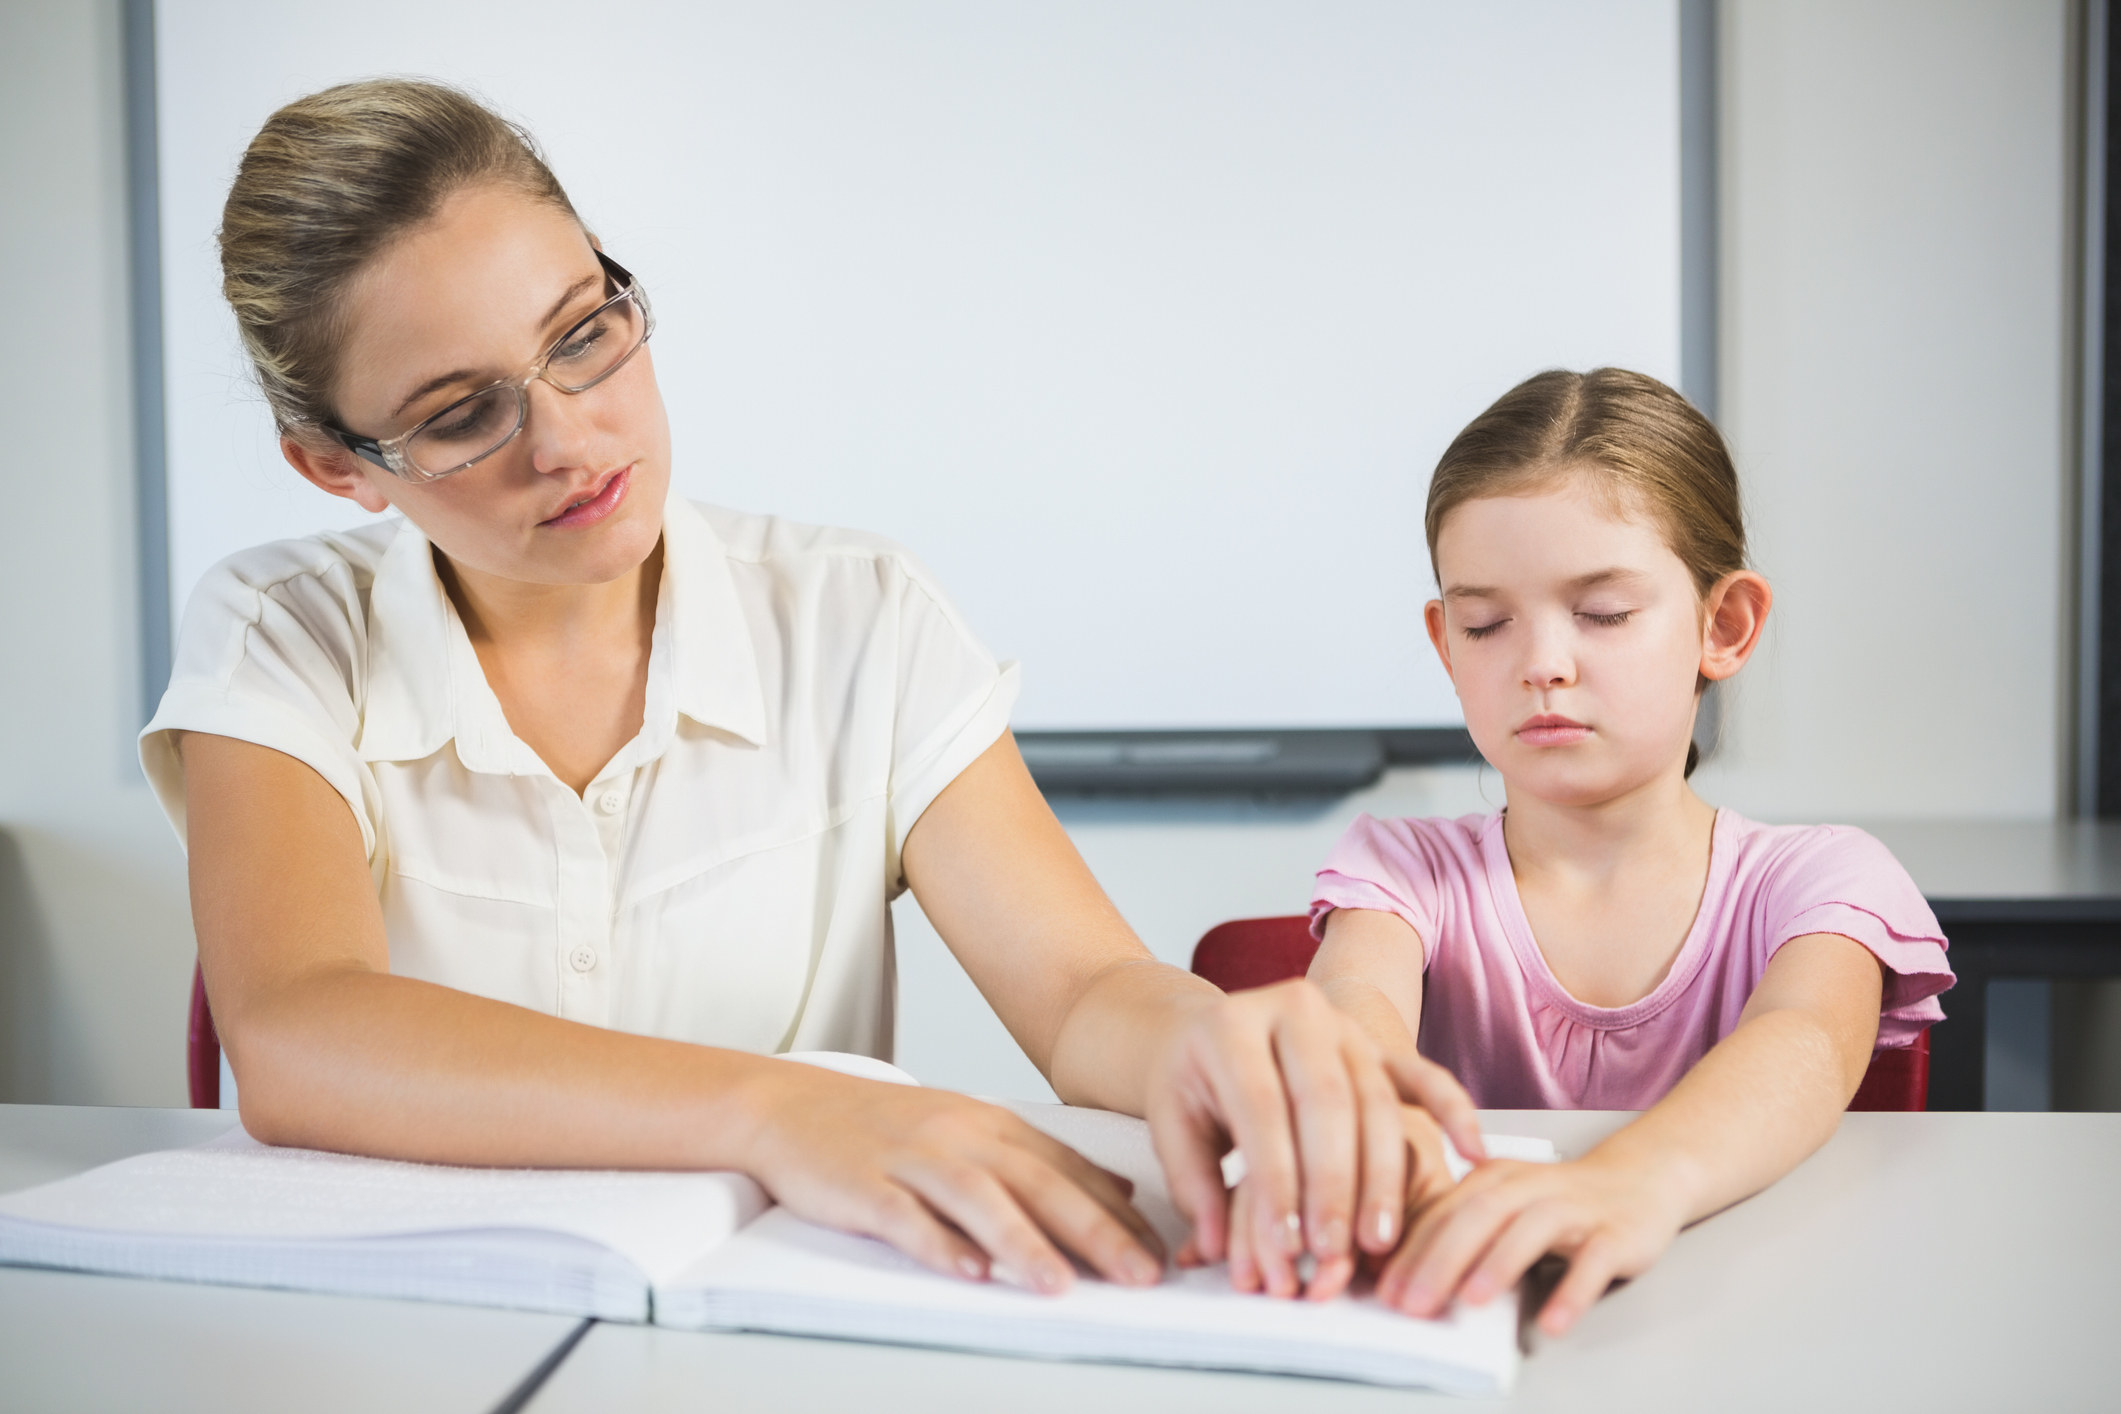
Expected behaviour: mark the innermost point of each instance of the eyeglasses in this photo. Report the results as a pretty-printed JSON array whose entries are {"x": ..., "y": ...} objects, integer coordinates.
[{"x": 473, "y": 428}]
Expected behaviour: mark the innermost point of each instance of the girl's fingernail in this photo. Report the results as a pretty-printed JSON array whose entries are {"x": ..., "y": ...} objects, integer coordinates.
[
  {"x": 1332, "y": 1238},
  {"x": 1142, "y": 1271}
]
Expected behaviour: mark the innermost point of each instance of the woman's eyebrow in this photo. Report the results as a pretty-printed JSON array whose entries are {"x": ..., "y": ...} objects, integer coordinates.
[
  {"x": 567, "y": 297},
  {"x": 459, "y": 375}
]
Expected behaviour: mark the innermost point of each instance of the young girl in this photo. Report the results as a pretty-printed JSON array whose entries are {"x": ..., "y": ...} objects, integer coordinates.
[
  {"x": 527, "y": 825},
  {"x": 1609, "y": 940}
]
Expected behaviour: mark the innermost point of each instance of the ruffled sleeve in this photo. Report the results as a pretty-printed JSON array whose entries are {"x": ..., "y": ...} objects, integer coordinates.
[{"x": 1841, "y": 880}]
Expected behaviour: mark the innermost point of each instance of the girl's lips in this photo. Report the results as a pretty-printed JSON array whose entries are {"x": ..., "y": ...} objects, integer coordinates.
[
  {"x": 596, "y": 507},
  {"x": 1547, "y": 730}
]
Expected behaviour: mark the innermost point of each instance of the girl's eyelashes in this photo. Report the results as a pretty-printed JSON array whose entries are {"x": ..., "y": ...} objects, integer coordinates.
[
  {"x": 1483, "y": 630},
  {"x": 1612, "y": 620}
]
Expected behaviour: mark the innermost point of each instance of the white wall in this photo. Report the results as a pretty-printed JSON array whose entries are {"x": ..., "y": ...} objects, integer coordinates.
[
  {"x": 1894, "y": 354},
  {"x": 95, "y": 936}
]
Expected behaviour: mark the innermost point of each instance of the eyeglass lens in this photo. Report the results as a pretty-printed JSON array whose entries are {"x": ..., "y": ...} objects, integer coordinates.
[{"x": 479, "y": 425}]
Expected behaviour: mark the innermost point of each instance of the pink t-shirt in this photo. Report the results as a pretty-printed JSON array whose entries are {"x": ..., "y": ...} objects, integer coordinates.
[{"x": 1494, "y": 1015}]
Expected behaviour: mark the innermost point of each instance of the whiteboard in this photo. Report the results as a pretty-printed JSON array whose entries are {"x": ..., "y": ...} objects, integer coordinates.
[{"x": 1141, "y": 321}]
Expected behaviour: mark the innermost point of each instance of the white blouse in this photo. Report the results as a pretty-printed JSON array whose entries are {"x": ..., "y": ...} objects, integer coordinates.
[{"x": 726, "y": 879}]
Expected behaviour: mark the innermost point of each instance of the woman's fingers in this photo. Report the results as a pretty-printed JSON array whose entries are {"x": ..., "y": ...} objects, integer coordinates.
[
  {"x": 898, "y": 1217},
  {"x": 1423, "y": 1082},
  {"x": 1322, "y": 1095},
  {"x": 1244, "y": 1269},
  {"x": 1385, "y": 1167},
  {"x": 1109, "y": 1189},
  {"x": 1117, "y": 1249}
]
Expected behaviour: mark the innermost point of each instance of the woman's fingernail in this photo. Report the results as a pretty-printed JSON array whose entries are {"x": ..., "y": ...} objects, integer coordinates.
[
  {"x": 972, "y": 1267},
  {"x": 1384, "y": 1226},
  {"x": 1292, "y": 1233},
  {"x": 1143, "y": 1271},
  {"x": 1050, "y": 1278}
]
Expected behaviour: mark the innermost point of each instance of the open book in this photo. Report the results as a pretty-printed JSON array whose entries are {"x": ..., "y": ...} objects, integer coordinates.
[{"x": 704, "y": 1251}]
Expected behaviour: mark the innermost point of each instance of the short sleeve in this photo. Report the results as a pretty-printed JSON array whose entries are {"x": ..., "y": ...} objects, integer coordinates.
[
  {"x": 270, "y": 651},
  {"x": 1383, "y": 865},
  {"x": 954, "y": 700},
  {"x": 1843, "y": 881}
]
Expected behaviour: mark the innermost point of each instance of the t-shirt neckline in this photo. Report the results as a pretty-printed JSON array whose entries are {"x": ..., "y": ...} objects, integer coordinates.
[{"x": 1517, "y": 927}]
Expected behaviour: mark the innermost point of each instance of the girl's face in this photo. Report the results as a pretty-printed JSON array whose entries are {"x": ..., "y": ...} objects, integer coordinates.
[
  {"x": 476, "y": 295},
  {"x": 1575, "y": 637}
]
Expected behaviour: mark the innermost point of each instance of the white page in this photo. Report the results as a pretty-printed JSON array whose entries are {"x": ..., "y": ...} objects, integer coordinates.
[
  {"x": 787, "y": 1275},
  {"x": 238, "y": 1211}
]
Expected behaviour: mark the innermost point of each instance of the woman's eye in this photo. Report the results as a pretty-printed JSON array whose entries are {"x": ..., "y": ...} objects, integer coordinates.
[
  {"x": 1610, "y": 620},
  {"x": 1483, "y": 630},
  {"x": 579, "y": 346}
]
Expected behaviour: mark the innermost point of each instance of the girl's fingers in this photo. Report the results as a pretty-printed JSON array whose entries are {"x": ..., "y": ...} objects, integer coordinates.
[
  {"x": 1383, "y": 1200},
  {"x": 1330, "y": 1277},
  {"x": 1457, "y": 1242},
  {"x": 1591, "y": 1270},
  {"x": 1423, "y": 1082},
  {"x": 1533, "y": 1233}
]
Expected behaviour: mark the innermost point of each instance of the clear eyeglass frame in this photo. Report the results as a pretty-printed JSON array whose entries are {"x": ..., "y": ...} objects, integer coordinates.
[{"x": 394, "y": 454}]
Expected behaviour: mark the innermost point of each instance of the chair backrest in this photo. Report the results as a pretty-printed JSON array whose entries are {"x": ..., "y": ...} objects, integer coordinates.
[
  {"x": 202, "y": 1053},
  {"x": 1254, "y": 952}
]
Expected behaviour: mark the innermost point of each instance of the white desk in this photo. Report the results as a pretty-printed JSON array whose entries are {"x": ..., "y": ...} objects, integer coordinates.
[
  {"x": 1936, "y": 1262},
  {"x": 73, "y": 1342},
  {"x": 1928, "y": 1262}
]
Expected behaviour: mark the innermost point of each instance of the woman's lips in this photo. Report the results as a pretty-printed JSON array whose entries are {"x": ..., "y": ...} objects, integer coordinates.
[
  {"x": 1549, "y": 730},
  {"x": 602, "y": 504}
]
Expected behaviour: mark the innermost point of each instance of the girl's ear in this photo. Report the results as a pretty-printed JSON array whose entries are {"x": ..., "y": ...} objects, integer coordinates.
[
  {"x": 333, "y": 469},
  {"x": 1734, "y": 616},
  {"x": 1432, "y": 615}
]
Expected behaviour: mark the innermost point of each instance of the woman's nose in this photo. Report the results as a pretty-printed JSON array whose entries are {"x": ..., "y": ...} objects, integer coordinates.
[{"x": 558, "y": 427}]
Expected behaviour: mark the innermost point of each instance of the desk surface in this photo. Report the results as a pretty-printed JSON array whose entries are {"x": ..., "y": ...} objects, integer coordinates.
[
  {"x": 75, "y": 1342},
  {"x": 1935, "y": 1262},
  {"x": 2062, "y": 868}
]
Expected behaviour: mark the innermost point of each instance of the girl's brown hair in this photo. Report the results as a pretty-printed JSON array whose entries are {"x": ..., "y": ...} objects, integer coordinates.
[
  {"x": 327, "y": 183},
  {"x": 1647, "y": 448}
]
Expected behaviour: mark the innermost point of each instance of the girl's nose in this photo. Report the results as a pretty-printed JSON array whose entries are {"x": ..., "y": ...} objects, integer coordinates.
[{"x": 1548, "y": 662}]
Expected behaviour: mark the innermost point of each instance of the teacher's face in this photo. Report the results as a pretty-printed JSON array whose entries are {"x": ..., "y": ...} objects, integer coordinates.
[{"x": 471, "y": 297}]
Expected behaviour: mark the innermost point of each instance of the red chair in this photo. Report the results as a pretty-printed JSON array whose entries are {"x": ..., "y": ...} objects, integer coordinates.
[
  {"x": 202, "y": 1053},
  {"x": 1254, "y": 952}
]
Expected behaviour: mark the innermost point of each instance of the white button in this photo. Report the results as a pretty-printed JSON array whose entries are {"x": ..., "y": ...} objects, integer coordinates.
[
  {"x": 611, "y": 801},
  {"x": 583, "y": 959}
]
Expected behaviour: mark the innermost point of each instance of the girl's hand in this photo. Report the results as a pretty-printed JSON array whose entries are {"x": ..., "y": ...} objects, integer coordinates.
[
  {"x": 965, "y": 1188},
  {"x": 1609, "y": 1218},
  {"x": 1429, "y": 1176},
  {"x": 1314, "y": 1105}
]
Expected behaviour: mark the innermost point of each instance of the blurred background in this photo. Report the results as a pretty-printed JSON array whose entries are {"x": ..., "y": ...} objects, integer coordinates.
[{"x": 1868, "y": 235}]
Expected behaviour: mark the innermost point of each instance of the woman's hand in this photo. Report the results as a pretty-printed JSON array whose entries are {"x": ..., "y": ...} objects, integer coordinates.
[
  {"x": 1428, "y": 1177},
  {"x": 1608, "y": 1217},
  {"x": 965, "y": 1188},
  {"x": 1315, "y": 1107}
]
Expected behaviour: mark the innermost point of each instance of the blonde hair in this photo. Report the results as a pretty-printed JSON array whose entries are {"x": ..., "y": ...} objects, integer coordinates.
[
  {"x": 1645, "y": 447},
  {"x": 328, "y": 182}
]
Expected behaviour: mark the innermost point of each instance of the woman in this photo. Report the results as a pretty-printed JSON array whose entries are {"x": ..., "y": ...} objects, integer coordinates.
[{"x": 527, "y": 829}]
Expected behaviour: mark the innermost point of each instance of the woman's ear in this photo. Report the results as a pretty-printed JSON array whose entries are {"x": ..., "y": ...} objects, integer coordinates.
[
  {"x": 333, "y": 469},
  {"x": 1734, "y": 616},
  {"x": 1432, "y": 615}
]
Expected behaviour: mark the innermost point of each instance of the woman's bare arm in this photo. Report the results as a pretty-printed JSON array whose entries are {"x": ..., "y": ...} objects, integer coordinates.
[
  {"x": 1279, "y": 1072},
  {"x": 332, "y": 1051}
]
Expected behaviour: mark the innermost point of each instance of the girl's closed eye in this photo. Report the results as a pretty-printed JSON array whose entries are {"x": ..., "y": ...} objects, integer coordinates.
[
  {"x": 1483, "y": 630},
  {"x": 1612, "y": 620}
]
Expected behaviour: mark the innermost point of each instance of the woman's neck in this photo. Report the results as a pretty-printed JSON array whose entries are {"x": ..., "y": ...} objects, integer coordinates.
[{"x": 516, "y": 617}]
